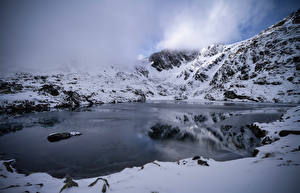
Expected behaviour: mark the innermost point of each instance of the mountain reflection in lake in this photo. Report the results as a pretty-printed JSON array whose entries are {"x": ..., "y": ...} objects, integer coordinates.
[{"x": 116, "y": 136}]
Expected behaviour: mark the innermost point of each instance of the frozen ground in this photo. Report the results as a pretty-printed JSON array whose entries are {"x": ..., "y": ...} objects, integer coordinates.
[{"x": 276, "y": 168}]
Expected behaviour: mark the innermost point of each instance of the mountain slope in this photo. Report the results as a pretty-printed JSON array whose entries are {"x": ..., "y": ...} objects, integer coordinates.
[{"x": 263, "y": 68}]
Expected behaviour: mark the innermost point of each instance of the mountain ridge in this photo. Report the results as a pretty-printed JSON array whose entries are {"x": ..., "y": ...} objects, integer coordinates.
[{"x": 264, "y": 68}]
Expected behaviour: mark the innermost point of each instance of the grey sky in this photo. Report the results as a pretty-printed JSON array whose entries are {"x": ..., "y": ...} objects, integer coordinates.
[{"x": 87, "y": 35}]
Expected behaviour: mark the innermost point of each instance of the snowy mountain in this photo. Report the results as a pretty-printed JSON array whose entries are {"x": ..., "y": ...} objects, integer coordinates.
[{"x": 264, "y": 68}]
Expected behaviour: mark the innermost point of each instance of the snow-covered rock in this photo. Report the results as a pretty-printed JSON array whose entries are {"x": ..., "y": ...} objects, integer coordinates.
[
  {"x": 53, "y": 137},
  {"x": 167, "y": 59}
]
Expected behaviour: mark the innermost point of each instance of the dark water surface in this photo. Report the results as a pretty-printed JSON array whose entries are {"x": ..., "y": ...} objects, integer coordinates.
[{"x": 115, "y": 136}]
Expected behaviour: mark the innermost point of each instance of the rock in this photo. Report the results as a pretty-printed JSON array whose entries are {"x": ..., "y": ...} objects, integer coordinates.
[
  {"x": 10, "y": 186},
  {"x": 259, "y": 133},
  {"x": 10, "y": 87},
  {"x": 104, "y": 188},
  {"x": 28, "y": 184},
  {"x": 185, "y": 118},
  {"x": 89, "y": 100},
  {"x": 196, "y": 157},
  {"x": 296, "y": 17},
  {"x": 259, "y": 66},
  {"x": 20, "y": 107},
  {"x": 284, "y": 133},
  {"x": 266, "y": 140},
  {"x": 202, "y": 162},
  {"x": 73, "y": 97},
  {"x": 180, "y": 97},
  {"x": 160, "y": 131},
  {"x": 186, "y": 75},
  {"x": 142, "y": 96},
  {"x": 291, "y": 78},
  {"x": 263, "y": 81},
  {"x": 268, "y": 155},
  {"x": 68, "y": 184},
  {"x": 40, "y": 77},
  {"x": 50, "y": 89},
  {"x": 200, "y": 76},
  {"x": 103, "y": 179},
  {"x": 213, "y": 50},
  {"x": 8, "y": 166},
  {"x": 60, "y": 136},
  {"x": 200, "y": 118},
  {"x": 232, "y": 95},
  {"x": 279, "y": 24},
  {"x": 167, "y": 59},
  {"x": 255, "y": 152},
  {"x": 72, "y": 100},
  {"x": 276, "y": 83},
  {"x": 209, "y": 97},
  {"x": 42, "y": 107},
  {"x": 143, "y": 71}
]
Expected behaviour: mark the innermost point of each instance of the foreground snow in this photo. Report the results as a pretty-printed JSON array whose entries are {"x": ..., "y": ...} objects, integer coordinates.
[{"x": 276, "y": 168}]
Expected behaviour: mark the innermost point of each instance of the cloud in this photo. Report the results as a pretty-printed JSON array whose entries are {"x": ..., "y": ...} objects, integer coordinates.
[
  {"x": 219, "y": 21},
  {"x": 75, "y": 35}
]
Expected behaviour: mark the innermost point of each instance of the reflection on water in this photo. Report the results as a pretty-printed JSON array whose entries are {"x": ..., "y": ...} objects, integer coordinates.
[{"x": 125, "y": 135}]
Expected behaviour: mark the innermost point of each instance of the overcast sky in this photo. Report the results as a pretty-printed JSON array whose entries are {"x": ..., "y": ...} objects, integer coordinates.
[{"x": 88, "y": 35}]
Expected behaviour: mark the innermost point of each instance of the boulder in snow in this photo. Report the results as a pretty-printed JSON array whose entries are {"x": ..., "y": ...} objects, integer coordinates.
[{"x": 53, "y": 137}]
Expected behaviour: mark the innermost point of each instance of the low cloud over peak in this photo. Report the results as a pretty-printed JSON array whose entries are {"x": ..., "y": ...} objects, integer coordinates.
[
  {"x": 219, "y": 21},
  {"x": 91, "y": 35}
]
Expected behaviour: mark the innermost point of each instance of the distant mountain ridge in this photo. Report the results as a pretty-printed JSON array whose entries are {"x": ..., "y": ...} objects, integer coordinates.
[{"x": 264, "y": 68}]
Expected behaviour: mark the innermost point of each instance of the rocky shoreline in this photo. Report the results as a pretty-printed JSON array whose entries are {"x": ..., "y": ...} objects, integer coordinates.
[{"x": 276, "y": 159}]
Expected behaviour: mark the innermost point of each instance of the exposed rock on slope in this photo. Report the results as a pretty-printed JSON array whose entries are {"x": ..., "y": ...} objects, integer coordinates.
[
  {"x": 9, "y": 87},
  {"x": 167, "y": 59}
]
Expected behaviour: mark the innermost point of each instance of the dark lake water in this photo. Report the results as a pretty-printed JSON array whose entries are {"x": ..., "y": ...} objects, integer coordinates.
[{"x": 116, "y": 136}]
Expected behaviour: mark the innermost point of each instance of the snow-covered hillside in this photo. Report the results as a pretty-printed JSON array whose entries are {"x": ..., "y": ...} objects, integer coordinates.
[{"x": 264, "y": 68}]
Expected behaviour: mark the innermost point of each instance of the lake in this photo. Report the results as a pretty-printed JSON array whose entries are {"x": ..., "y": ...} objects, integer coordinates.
[{"x": 116, "y": 136}]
